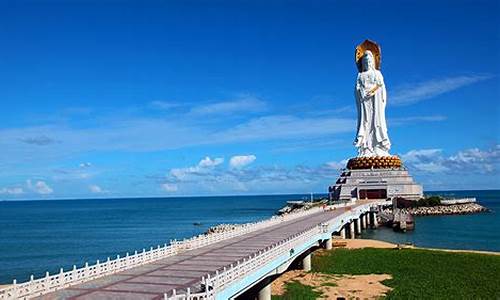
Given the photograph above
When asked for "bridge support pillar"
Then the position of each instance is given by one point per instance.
(265, 293)
(373, 219)
(362, 221)
(367, 215)
(352, 232)
(306, 263)
(343, 232)
(329, 244)
(358, 225)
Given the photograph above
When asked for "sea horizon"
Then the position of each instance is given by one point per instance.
(221, 195)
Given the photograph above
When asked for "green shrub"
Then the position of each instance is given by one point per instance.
(429, 201)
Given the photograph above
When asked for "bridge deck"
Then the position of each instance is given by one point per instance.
(151, 281)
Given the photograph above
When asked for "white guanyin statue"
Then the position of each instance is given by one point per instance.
(371, 98)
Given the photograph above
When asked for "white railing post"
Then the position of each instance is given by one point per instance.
(61, 277)
(15, 288)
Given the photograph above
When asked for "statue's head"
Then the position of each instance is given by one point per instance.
(368, 61)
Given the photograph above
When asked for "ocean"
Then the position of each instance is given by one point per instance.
(40, 236)
(474, 232)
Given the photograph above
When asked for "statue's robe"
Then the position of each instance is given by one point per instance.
(372, 138)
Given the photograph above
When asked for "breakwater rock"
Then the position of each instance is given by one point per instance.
(229, 227)
(457, 209)
(222, 228)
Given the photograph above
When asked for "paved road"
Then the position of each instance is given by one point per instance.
(185, 270)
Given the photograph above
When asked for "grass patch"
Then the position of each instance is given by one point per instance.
(420, 273)
(295, 290)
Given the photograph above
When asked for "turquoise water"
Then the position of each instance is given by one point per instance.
(36, 236)
(476, 231)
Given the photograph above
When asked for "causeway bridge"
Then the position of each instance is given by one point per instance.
(238, 264)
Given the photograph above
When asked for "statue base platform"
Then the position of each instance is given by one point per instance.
(375, 178)
(375, 162)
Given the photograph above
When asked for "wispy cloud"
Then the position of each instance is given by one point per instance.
(414, 156)
(416, 92)
(165, 105)
(285, 126)
(246, 103)
(39, 187)
(41, 140)
(169, 187)
(154, 134)
(82, 172)
(15, 190)
(463, 162)
(85, 165)
(203, 167)
(239, 161)
(308, 144)
(337, 164)
(415, 119)
(95, 189)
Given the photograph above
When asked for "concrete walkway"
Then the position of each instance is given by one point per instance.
(185, 270)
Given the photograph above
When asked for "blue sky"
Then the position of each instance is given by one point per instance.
(116, 99)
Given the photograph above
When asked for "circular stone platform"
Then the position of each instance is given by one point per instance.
(375, 162)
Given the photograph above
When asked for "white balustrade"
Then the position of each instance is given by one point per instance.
(223, 279)
(50, 283)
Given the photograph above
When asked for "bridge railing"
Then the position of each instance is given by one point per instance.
(63, 279)
(203, 240)
(246, 266)
(228, 275)
(50, 283)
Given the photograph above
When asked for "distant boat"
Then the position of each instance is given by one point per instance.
(197, 224)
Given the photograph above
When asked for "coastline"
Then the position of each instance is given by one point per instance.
(373, 243)
(443, 210)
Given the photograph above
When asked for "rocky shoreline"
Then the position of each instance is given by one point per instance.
(456, 209)
(222, 228)
(230, 227)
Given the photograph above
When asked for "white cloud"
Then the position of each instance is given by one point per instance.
(94, 188)
(85, 165)
(204, 166)
(415, 119)
(11, 191)
(252, 179)
(80, 173)
(414, 156)
(337, 164)
(208, 162)
(284, 127)
(246, 104)
(428, 165)
(164, 105)
(239, 161)
(169, 187)
(432, 167)
(414, 93)
(465, 161)
(39, 187)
